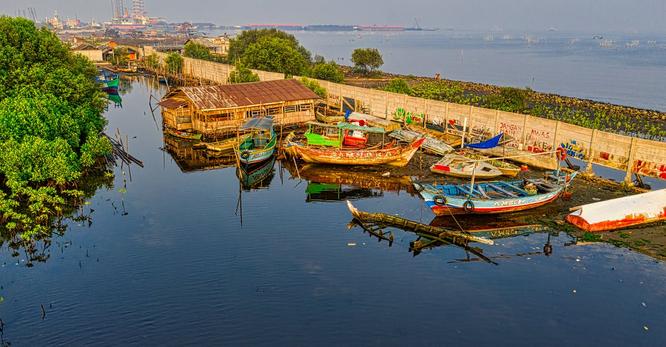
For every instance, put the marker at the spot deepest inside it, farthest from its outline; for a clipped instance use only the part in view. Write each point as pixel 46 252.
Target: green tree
pixel 398 85
pixel 242 42
pixel 510 99
pixel 314 86
pixel 327 71
pixel 196 51
pixel 152 61
pixel 241 74
pixel 174 63
pixel 50 125
pixel 120 56
pixel 367 59
pixel 274 54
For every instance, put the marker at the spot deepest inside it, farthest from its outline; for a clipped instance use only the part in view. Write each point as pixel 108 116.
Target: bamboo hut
pixel 216 111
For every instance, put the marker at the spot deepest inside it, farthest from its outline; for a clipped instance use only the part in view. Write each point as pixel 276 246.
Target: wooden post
pixel 495 130
pixel 386 99
pixel 555 145
pixel 590 168
pixel 524 134
pixel 630 162
pixel 446 118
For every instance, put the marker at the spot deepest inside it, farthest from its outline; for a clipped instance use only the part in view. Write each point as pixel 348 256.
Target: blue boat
pixel 494 197
pixel 260 145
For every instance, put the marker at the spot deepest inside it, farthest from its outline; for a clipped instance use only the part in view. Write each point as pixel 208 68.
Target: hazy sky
pixel 526 15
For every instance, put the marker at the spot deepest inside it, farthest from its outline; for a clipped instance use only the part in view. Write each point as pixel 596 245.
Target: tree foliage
pixel 367 59
pixel 398 85
pixel 239 45
pixel 198 51
pixel 50 123
pixel 275 54
pixel 242 74
pixel 314 86
pixel 174 63
pixel 327 71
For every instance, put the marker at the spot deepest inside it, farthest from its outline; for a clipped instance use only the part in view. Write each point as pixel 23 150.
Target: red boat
pixel 354 137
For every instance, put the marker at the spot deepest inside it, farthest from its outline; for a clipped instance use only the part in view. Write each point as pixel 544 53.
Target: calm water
pixel 629 72
pixel 168 262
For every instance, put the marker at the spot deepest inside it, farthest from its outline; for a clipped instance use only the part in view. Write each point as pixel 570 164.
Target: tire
pixel 468 206
pixel 245 155
pixel 439 200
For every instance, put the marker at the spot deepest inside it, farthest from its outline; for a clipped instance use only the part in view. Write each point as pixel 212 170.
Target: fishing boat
pixel 183 134
pixel 113 83
pixel 620 213
pixel 508 169
pixel 260 145
pixel 373 121
pixel 431 144
pixel 226 145
pixel 494 197
pixel 457 165
pixel 355 137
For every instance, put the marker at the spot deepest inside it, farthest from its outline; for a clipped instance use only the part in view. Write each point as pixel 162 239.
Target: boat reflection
pixel 190 158
pixel 256 176
pixel 335 192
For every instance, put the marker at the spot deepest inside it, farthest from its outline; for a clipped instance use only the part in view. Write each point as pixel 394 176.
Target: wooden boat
pixel 620 213
pixel 373 121
pixel 183 134
pixel 323 118
pixel 260 145
pixel 457 165
pixel 507 168
pixel 355 137
pixel 431 144
pixel 493 197
pixel 113 83
pixel 394 155
pixel 226 145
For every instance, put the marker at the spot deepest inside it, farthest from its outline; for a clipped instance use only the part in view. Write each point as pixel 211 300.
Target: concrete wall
pixel 95 56
pixel 530 134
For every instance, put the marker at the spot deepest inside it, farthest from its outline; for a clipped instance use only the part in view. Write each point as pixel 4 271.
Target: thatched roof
pixel 206 98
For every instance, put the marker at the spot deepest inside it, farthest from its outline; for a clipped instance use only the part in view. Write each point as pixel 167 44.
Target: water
pixel 170 261
pixel 553 62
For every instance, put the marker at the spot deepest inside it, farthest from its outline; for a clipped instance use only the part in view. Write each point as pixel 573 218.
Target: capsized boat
pixel 494 197
pixel 620 213
pixel 457 165
pixel 260 145
pixel 431 144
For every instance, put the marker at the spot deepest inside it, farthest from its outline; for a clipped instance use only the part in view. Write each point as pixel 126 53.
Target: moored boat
pixel 260 145
pixel 493 197
pixel 431 144
pixel 457 165
pixel 507 168
pixel 620 213
pixel 226 145
pixel 183 134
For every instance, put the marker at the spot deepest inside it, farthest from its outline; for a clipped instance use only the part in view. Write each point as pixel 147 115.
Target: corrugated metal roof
pixel 173 103
pixel 247 94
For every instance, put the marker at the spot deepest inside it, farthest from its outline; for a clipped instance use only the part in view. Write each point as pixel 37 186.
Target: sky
pixel 597 16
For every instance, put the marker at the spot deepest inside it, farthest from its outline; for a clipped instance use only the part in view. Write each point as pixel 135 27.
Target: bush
pixel 327 71
pixel 398 85
pixel 241 74
pixel 174 63
pixel 274 54
pixel 314 86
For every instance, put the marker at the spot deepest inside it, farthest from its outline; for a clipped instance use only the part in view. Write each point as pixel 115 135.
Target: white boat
pixel 621 213
pixel 457 165
pixel 431 144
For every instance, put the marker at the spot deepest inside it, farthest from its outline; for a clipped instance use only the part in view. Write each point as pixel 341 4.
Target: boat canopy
pixel 262 123
pixel 491 143
pixel 349 126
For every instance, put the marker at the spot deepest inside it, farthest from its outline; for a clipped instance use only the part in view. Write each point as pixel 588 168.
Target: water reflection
pixel 37 249
pixel 190 158
pixel 257 176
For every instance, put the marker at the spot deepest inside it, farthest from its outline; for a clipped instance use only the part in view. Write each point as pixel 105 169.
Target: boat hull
pixel 456 205
pixel 621 213
pixel 397 156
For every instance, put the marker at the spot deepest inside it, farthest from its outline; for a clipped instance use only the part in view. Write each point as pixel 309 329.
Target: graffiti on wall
pixel 511 131
pixel 574 149
pixel 539 141
pixel 649 169
pixel 406 117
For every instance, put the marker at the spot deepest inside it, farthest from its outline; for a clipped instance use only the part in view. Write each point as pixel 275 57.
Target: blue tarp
pixel 487 144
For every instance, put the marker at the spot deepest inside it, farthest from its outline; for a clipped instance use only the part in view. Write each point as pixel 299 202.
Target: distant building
pixel 217 110
pixel 90 51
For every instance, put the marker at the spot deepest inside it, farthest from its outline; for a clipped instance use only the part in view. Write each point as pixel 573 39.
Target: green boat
pixel 260 145
pixel 114 83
